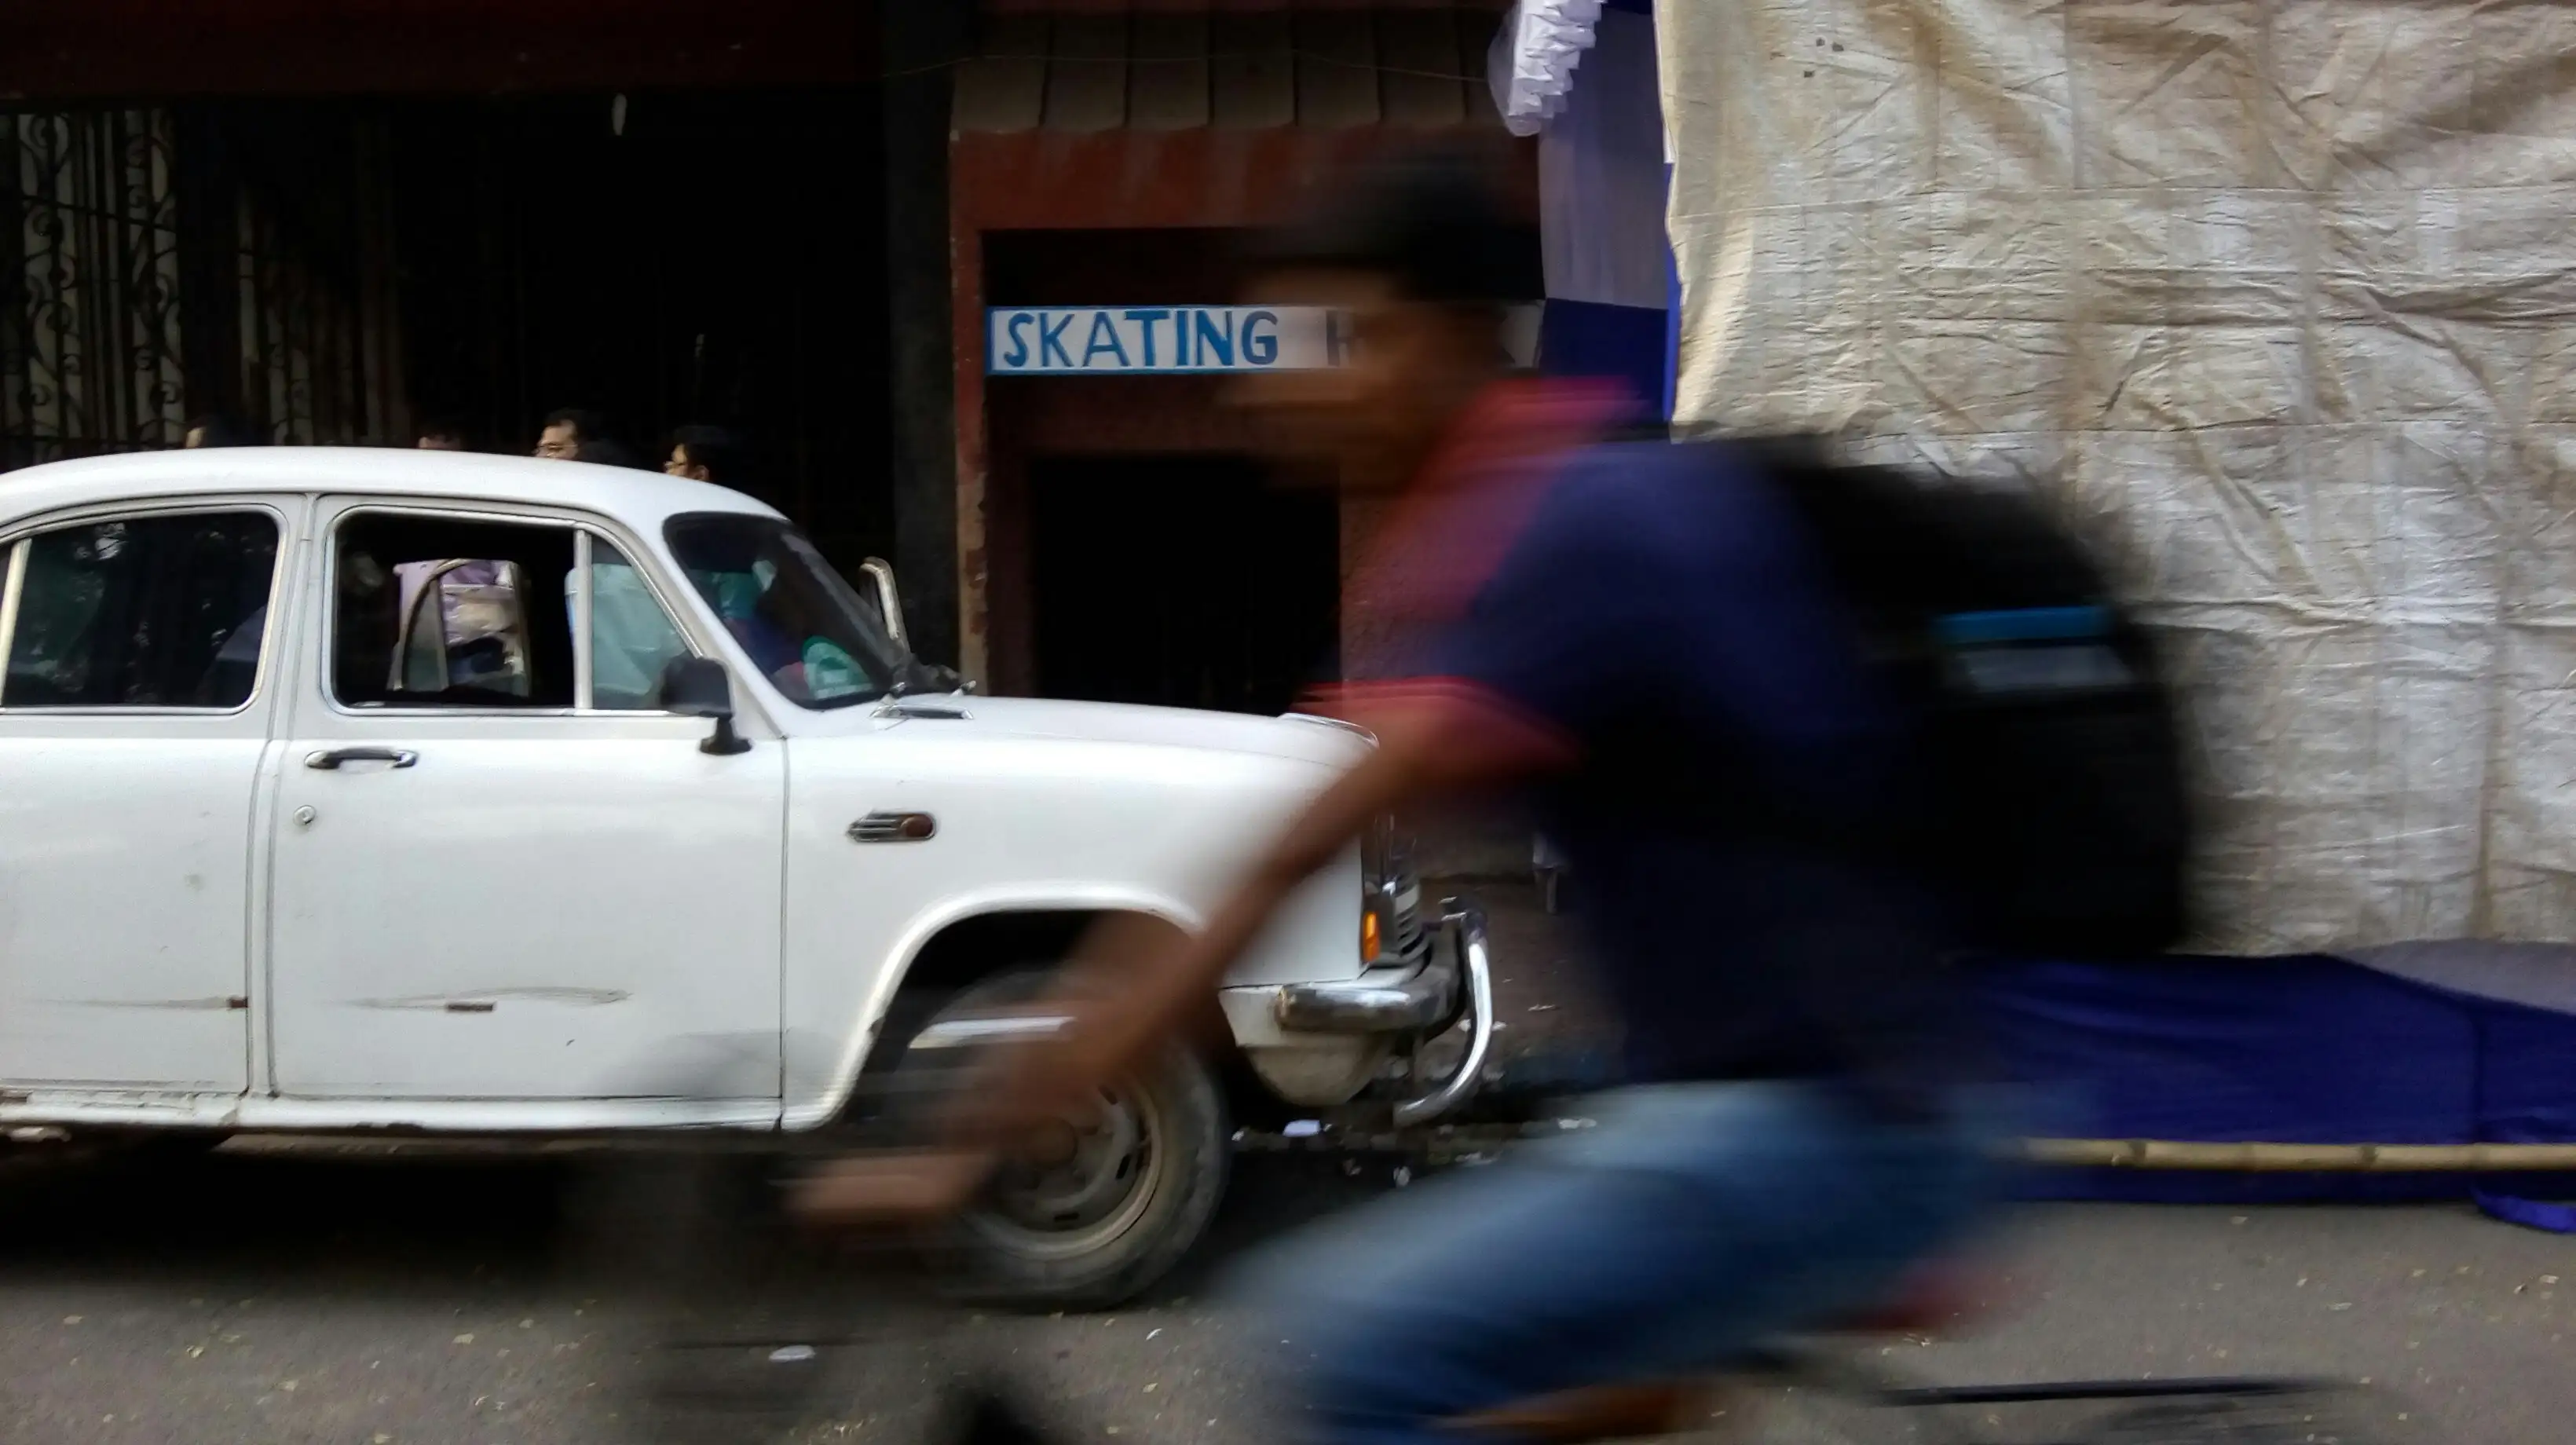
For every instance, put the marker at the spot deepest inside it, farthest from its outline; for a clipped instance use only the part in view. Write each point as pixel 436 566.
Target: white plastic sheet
pixel 2278 299
pixel 1531 64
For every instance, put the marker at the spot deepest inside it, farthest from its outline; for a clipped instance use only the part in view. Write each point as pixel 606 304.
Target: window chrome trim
pixel 584 666
pixel 12 578
pixel 281 564
pixel 376 710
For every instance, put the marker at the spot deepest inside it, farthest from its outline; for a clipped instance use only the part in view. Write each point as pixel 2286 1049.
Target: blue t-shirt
pixel 1736 814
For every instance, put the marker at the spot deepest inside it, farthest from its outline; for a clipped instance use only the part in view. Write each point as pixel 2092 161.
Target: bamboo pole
pixel 2298 1158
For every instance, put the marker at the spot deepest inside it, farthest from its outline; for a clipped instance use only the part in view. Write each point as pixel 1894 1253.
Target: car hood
pixel 1307 740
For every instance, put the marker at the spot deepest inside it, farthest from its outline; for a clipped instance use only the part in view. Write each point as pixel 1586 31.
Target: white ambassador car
pixel 366 790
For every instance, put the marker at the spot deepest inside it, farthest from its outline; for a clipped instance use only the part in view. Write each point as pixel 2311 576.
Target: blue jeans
pixel 1693 1221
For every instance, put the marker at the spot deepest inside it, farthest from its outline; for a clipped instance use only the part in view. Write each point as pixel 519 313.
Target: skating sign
pixel 1162 340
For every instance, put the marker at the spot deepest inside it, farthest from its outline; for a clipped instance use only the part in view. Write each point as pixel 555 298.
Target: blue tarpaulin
pixel 2298 1050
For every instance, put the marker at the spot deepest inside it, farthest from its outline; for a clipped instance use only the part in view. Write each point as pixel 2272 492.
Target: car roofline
pixel 632 495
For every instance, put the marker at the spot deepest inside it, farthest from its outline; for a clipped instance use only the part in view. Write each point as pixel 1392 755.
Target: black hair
pixel 440 429
pixel 605 451
pixel 721 450
pixel 589 426
pixel 223 429
pixel 1435 220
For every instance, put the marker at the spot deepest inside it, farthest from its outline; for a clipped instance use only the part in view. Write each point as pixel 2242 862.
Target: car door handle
pixel 330 761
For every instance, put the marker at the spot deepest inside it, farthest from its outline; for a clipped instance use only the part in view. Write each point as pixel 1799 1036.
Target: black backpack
pixel 2059 819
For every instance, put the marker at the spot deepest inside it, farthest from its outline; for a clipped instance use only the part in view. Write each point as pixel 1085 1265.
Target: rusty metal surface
pixel 1080 69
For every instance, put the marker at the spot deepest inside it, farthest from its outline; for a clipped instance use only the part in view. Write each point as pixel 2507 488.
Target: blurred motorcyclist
pixel 1636 635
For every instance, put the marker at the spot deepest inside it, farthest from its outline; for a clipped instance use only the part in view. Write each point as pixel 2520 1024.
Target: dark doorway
pixel 1186 581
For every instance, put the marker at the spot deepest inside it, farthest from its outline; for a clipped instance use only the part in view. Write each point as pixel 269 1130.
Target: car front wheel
pixel 1101 1203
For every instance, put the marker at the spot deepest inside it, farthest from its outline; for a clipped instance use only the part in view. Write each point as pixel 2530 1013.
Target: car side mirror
pixel 700 687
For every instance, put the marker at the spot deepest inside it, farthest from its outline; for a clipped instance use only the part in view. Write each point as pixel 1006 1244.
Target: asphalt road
pixel 264 1299
pixel 256 1297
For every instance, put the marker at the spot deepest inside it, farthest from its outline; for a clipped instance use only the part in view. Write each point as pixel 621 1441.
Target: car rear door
pixel 140 679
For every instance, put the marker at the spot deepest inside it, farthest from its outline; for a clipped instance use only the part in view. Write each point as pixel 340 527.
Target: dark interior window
pixel 166 611
pixel 437 612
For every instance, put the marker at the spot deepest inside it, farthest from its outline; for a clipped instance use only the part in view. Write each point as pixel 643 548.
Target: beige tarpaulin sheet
pixel 2277 298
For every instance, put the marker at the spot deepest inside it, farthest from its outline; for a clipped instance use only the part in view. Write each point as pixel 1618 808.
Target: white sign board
pixel 1162 340
pixel 1190 340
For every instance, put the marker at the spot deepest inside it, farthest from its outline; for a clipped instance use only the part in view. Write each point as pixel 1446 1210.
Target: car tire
pixel 1101 1227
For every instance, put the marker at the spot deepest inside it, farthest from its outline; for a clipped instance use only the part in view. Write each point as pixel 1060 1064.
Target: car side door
pixel 141 676
pixel 503 870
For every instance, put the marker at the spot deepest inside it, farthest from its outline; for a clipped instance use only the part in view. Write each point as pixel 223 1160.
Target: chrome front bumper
pixel 1458 981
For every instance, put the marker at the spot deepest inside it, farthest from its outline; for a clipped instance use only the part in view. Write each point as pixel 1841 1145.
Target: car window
pixel 632 640
pixel 432 611
pixel 804 626
pixel 160 611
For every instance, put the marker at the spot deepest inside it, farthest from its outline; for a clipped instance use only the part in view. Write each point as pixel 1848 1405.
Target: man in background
pixel 709 454
pixel 610 452
pixel 575 435
pixel 442 436
pixel 221 429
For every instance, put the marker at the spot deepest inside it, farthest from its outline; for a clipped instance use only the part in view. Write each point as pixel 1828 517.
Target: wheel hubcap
pixel 1082 1182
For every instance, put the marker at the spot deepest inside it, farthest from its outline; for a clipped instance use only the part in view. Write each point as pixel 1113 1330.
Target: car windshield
pixel 806 628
